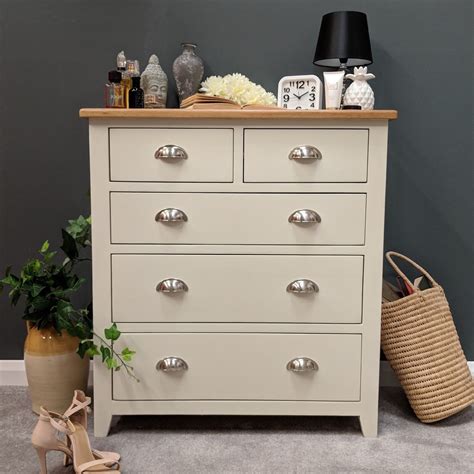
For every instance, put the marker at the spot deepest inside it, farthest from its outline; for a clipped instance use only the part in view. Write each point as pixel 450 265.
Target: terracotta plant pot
pixel 53 368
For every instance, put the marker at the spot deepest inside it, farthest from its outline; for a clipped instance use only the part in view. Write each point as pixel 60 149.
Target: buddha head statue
pixel 155 84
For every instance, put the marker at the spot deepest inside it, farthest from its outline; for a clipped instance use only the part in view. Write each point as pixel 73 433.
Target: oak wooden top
pixel 235 114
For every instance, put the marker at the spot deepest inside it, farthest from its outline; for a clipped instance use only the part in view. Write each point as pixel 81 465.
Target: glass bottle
pixel 135 94
pixel 132 69
pixel 114 91
pixel 121 67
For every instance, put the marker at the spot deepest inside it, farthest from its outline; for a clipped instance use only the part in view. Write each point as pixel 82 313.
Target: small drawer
pixel 237 288
pixel 215 218
pixel 225 366
pixel 171 154
pixel 305 156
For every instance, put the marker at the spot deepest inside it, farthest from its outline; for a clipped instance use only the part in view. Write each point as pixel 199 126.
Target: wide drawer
pixel 209 154
pixel 237 288
pixel 213 218
pixel 342 155
pixel 224 366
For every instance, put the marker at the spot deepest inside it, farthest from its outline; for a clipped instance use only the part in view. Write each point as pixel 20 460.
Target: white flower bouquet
pixel 238 88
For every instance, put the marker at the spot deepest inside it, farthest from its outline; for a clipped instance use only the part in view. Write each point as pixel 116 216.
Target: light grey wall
pixel 54 58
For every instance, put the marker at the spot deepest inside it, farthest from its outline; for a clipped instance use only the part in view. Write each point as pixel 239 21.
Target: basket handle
pixel 389 256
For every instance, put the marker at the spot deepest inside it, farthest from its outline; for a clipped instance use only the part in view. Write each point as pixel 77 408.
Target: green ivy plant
pixel 47 287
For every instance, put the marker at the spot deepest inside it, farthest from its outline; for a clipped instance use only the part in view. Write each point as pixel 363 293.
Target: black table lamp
pixel 343 41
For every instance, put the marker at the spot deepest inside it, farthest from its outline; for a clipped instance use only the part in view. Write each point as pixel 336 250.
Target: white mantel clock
pixel 300 92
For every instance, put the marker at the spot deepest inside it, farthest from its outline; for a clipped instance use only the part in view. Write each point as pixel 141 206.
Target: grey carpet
pixel 173 444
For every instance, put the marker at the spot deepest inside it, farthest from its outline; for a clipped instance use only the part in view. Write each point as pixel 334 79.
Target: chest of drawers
pixel 240 254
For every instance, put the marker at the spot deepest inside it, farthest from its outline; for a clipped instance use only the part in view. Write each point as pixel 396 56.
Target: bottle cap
pixel 115 76
pixel 136 82
pixel 133 67
pixel 121 60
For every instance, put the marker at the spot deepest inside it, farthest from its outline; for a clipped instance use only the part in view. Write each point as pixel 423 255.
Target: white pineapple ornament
pixel 359 92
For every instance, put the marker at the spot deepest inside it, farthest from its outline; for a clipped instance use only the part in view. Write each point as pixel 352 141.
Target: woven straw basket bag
pixel 421 343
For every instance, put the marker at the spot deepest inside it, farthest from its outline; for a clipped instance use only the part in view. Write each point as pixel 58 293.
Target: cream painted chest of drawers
pixel 240 254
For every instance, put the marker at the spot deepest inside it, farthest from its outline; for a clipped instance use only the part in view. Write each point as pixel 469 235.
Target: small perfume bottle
pixel 114 91
pixel 132 70
pixel 121 67
pixel 135 94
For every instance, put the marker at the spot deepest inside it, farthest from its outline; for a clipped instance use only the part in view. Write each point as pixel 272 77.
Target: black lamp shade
pixel 343 38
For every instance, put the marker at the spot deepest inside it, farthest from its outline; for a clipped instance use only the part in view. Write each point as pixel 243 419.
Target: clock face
pixel 300 92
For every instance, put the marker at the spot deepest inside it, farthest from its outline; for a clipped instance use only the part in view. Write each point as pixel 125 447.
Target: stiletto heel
pixel 67 461
pixel 41 452
pixel 44 438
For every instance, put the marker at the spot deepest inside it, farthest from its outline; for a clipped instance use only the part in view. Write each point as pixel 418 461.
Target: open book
pixel 202 101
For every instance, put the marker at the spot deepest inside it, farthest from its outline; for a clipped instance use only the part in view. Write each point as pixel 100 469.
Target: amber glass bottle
pixel 114 91
pixel 132 70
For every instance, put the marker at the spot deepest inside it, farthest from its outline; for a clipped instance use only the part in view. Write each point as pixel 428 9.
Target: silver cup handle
pixel 302 286
pixel 171 215
pixel 172 285
pixel 304 216
pixel 172 364
pixel 171 153
pixel 304 153
pixel 302 364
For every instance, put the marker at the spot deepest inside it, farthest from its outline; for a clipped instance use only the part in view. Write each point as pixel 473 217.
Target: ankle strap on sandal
pixel 59 422
pixel 78 406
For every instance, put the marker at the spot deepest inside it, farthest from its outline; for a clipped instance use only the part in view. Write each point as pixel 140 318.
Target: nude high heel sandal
pixel 45 439
pixel 77 413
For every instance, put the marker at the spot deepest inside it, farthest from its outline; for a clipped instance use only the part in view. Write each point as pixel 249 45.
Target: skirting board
pixel 12 372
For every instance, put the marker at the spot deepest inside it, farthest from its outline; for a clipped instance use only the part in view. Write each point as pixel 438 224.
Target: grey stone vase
pixel 188 70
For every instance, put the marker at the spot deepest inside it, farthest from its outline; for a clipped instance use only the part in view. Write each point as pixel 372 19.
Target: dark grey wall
pixel 54 58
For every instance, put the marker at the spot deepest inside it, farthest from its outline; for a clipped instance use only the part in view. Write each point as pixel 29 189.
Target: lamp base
pixel 345 82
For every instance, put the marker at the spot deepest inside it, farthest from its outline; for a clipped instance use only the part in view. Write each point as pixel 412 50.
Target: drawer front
pixel 241 367
pixel 213 218
pixel 209 154
pixel 342 159
pixel 237 288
